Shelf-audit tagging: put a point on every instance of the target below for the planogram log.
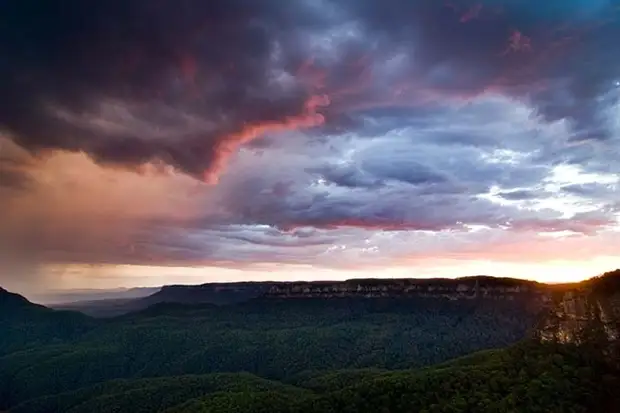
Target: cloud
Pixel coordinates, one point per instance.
(74, 211)
(591, 189)
(309, 132)
(135, 82)
(520, 195)
(12, 178)
(130, 83)
(408, 178)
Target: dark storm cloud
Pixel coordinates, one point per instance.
(556, 39)
(350, 176)
(421, 115)
(410, 178)
(399, 203)
(165, 244)
(520, 195)
(557, 53)
(185, 76)
(210, 58)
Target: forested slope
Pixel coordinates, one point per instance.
(27, 325)
(528, 377)
(273, 338)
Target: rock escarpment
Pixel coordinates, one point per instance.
(453, 289)
(587, 313)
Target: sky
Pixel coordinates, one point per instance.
(150, 142)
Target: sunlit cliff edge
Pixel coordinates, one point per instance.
(587, 313)
(566, 303)
(479, 287)
(569, 313)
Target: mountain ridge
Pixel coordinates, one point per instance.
(284, 338)
(12, 301)
(225, 293)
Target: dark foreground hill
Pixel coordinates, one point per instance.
(553, 350)
(27, 325)
(524, 378)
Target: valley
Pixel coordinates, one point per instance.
(320, 347)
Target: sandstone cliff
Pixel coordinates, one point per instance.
(587, 313)
(453, 289)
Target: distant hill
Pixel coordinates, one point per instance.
(484, 287)
(64, 297)
(213, 293)
(103, 308)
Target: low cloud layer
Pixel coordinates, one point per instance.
(328, 133)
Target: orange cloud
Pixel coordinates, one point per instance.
(76, 205)
(310, 117)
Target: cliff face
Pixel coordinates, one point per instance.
(468, 288)
(452, 289)
(586, 314)
(216, 293)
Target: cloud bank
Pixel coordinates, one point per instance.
(335, 134)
